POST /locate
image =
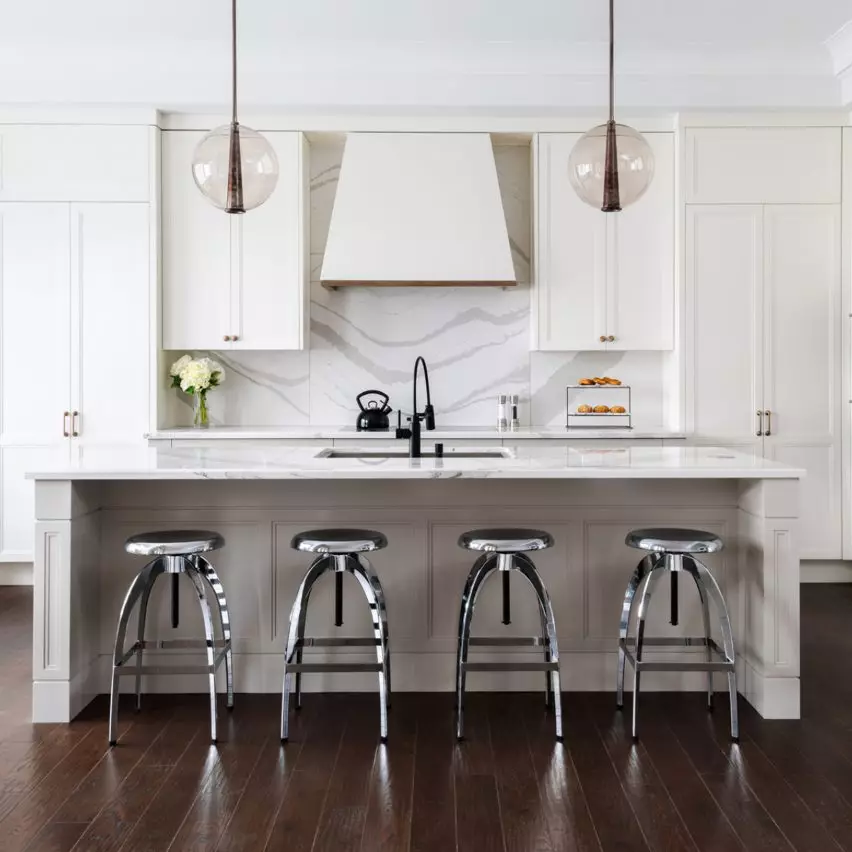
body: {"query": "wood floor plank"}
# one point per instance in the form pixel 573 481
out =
pixel 57 837
pixel 433 808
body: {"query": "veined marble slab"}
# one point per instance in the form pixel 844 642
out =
pixel 520 463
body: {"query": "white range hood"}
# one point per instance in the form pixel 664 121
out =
pixel 418 209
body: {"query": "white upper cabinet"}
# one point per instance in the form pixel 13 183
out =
pixel 602 281
pixel 234 282
pixel 763 165
pixel 75 163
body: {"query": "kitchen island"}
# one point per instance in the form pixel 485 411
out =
pixel 259 498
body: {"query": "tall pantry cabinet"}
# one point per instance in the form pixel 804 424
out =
pixel 763 306
pixel 77 256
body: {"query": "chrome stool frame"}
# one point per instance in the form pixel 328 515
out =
pixel 202 574
pixel 505 551
pixel 670 556
pixel 338 554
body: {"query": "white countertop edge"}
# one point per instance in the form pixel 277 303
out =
pixel 329 433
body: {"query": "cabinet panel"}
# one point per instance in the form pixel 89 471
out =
pixel 110 325
pixel 570 286
pixel 41 162
pixel 724 278
pixel 34 330
pixel 640 269
pixel 802 319
pixel 272 273
pixel 196 254
pixel 763 165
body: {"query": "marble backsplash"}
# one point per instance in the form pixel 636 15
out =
pixel 476 341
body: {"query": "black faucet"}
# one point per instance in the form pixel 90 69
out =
pixel 427 415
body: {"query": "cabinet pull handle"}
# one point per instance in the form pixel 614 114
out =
pixel 768 431
pixel 603 338
pixel 74 429
pixel 65 416
pixel 759 423
pixel 611 338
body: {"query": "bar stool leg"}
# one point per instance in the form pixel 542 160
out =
pixel 712 588
pixel 296 633
pixel 644 566
pixel 367 566
pixel 154 570
pixel 651 581
pixel 137 587
pixel 194 575
pixel 689 567
pixel 370 593
pixel 209 573
pixel 482 569
pixel 527 569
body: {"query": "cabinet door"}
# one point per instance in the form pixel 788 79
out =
pixel 40 162
pixel 569 293
pixel 269 288
pixel 110 321
pixel 34 330
pixel 763 165
pixel 640 261
pixel 724 292
pixel 196 254
pixel 802 358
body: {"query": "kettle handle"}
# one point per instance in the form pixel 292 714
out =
pixel 377 393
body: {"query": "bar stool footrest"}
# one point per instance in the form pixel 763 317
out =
pixel 341 642
pixel 509 641
pixel 315 668
pixel 725 664
pixel 510 667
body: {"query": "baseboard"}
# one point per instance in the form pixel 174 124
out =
pixel 16 573
pixel 826 571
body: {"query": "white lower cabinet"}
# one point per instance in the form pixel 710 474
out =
pixel 74 342
pixel 763 291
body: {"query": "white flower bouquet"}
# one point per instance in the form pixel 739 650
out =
pixel 196 376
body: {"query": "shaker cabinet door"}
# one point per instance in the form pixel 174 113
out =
pixel 641 261
pixel 196 240
pixel 724 290
pixel 110 321
pixel 569 292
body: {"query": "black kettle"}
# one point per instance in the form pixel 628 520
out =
pixel 373 416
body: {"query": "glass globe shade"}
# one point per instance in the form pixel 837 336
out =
pixel 586 165
pixel 259 166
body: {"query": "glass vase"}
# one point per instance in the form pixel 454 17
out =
pixel 200 414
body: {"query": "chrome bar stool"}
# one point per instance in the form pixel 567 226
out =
pixel 672 551
pixel 338 550
pixel 175 552
pixel 505 550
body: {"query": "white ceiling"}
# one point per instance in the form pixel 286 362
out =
pixel 514 53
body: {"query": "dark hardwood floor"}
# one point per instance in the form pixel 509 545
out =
pixel 510 787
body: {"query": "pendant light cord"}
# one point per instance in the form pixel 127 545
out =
pixel 611 60
pixel 233 61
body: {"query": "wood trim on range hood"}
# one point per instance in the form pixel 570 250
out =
pixel 418 210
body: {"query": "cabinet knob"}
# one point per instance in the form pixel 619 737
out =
pixel 603 338
pixel 235 337
pixel 611 338
pixel 226 337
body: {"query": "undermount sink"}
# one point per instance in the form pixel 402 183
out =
pixel 402 453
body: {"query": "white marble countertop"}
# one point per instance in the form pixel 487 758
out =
pixel 329 433
pixel 153 463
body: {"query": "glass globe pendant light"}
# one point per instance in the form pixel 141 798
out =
pixel 612 165
pixel 234 166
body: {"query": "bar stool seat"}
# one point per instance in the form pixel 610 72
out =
pixel 175 552
pixel 514 540
pixel 505 550
pixel 672 551
pixel 338 551
pixel 174 543
pixel 339 541
pixel 674 540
